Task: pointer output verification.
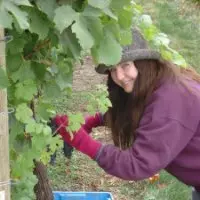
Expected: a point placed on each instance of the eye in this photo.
(126, 65)
(113, 69)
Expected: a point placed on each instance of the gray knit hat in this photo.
(138, 50)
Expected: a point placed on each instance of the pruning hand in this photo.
(80, 140)
(93, 122)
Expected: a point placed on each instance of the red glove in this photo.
(81, 140)
(93, 122)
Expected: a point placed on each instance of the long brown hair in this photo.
(127, 108)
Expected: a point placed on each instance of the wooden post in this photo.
(4, 135)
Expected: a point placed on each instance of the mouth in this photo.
(126, 83)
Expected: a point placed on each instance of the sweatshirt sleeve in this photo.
(159, 141)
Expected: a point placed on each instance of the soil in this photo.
(85, 77)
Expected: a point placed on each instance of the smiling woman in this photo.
(154, 119)
(125, 75)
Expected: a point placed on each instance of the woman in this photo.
(154, 119)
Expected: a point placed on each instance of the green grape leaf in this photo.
(25, 194)
(64, 81)
(98, 100)
(13, 62)
(47, 6)
(109, 12)
(95, 27)
(75, 121)
(166, 54)
(90, 11)
(125, 18)
(5, 19)
(81, 30)
(51, 90)
(39, 70)
(125, 37)
(16, 46)
(47, 131)
(24, 69)
(145, 21)
(54, 37)
(99, 3)
(161, 39)
(23, 113)
(178, 59)
(55, 143)
(64, 77)
(70, 44)
(45, 157)
(43, 110)
(64, 16)
(22, 2)
(113, 29)
(34, 127)
(39, 23)
(30, 127)
(119, 5)
(39, 128)
(39, 142)
(149, 33)
(53, 69)
(21, 16)
(26, 90)
(91, 109)
(3, 79)
(16, 128)
(109, 51)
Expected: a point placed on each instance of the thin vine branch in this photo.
(38, 48)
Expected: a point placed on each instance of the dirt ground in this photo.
(85, 77)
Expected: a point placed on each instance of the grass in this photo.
(179, 19)
(82, 174)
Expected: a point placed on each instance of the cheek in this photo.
(114, 78)
(134, 73)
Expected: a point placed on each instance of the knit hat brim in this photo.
(140, 54)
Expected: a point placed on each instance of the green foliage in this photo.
(75, 121)
(98, 100)
(180, 21)
(49, 38)
(64, 17)
(156, 39)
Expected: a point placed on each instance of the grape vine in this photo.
(49, 38)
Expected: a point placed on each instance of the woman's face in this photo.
(124, 75)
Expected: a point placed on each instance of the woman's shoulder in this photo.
(176, 101)
(178, 92)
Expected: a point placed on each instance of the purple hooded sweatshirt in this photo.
(168, 137)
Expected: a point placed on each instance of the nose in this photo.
(119, 73)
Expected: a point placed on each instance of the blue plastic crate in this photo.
(82, 195)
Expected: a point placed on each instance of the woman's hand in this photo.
(90, 122)
(80, 141)
(93, 122)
